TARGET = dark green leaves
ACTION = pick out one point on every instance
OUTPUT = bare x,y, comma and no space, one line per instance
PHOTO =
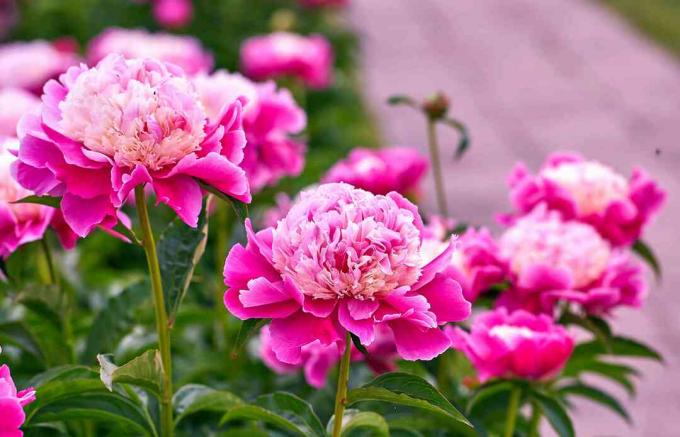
555,412
371,423
646,253
179,250
193,398
248,328
41,200
144,371
240,208
408,390
617,345
464,141
596,395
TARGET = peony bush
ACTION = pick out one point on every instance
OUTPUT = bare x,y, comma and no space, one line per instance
193,243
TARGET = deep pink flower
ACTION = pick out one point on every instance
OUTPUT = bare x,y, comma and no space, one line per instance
476,263
104,130
324,3
553,259
380,171
279,54
12,404
183,51
173,13
29,65
344,259
590,192
270,119
19,223
15,102
514,345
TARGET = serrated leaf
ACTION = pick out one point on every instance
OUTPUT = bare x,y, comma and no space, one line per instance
115,320
647,254
179,249
144,371
52,201
247,329
555,412
371,423
240,208
408,390
86,399
596,395
193,398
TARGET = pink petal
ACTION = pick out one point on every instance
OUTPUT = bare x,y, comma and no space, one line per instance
446,299
289,334
416,343
183,195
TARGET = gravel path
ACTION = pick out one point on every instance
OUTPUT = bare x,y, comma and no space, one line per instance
529,78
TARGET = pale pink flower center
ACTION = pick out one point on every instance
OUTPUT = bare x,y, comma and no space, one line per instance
592,185
573,246
137,116
339,241
510,334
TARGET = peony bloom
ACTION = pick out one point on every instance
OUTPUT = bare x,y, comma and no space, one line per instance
590,192
105,130
476,263
278,54
514,345
173,13
20,223
15,102
183,51
270,119
324,3
399,169
341,260
552,259
29,65
12,404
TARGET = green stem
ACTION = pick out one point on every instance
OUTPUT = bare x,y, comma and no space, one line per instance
162,326
223,222
50,263
341,393
513,410
437,167
535,419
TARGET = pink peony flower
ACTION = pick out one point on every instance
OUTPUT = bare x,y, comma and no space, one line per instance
341,260
270,118
553,259
14,102
173,13
514,345
324,3
476,264
278,54
271,216
590,192
183,51
20,223
29,65
104,130
399,169
12,404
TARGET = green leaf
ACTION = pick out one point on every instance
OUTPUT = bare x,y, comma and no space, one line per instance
17,334
179,249
248,328
555,412
144,371
355,420
41,200
115,320
401,100
44,301
65,372
357,344
464,141
294,409
618,345
193,398
409,390
86,399
240,208
618,373
490,396
646,253
253,412
596,395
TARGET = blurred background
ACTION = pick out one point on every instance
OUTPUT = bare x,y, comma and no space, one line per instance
527,77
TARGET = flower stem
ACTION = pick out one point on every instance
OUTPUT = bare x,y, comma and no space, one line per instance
535,420
50,263
222,234
162,327
436,167
513,410
341,393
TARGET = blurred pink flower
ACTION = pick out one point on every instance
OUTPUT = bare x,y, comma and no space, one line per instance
271,216
123,123
270,119
15,102
514,345
590,192
554,259
324,3
12,404
173,13
183,51
280,54
29,65
23,222
380,171
343,260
